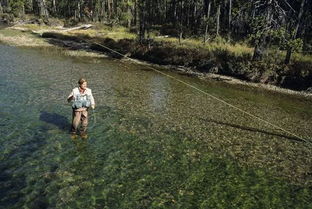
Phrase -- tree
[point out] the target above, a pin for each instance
(266, 21)
(17, 7)
(41, 9)
(218, 18)
(142, 16)
(206, 20)
(294, 42)
(255, 19)
(230, 18)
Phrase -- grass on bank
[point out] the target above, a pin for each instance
(238, 49)
(18, 38)
(118, 32)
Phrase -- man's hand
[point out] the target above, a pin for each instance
(69, 99)
(92, 106)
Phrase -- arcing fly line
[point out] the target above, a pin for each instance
(94, 119)
(211, 96)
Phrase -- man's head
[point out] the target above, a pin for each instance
(82, 83)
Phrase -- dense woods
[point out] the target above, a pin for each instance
(283, 24)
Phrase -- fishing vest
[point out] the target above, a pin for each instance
(81, 101)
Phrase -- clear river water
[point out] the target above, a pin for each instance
(152, 142)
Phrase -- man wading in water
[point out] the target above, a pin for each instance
(82, 99)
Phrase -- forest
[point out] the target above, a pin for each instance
(283, 24)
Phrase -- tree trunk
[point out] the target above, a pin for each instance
(78, 11)
(195, 20)
(180, 34)
(289, 50)
(288, 55)
(147, 17)
(69, 12)
(207, 22)
(218, 18)
(175, 15)
(129, 14)
(141, 21)
(23, 10)
(187, 14)
(230, 19)
(1, 9)
(259, 49)
(135, 13)
(261, 46)
(166, 10)
(103, 10)
(42, 8)
(253, 12)
(54, 7)
(181, 23)
(109, 9)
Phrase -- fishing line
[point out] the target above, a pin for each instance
(210, 95)
(94, 119)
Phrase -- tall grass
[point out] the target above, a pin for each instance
(237, 48)
(218, 44)
(116, 33)
(18, 38)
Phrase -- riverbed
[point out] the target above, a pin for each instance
(153, 142)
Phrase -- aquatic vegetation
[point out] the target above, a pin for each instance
(153, 142)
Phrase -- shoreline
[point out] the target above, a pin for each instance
(36, 39)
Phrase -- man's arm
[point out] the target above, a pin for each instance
(70, 97)
(92, 100)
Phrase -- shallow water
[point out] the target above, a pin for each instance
(153, 142)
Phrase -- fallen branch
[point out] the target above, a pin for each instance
(83, 27)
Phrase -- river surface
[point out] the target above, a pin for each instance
(152, 142)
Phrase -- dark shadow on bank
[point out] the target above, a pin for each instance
(69, 44)
(85, 42)
(55, 119)
(254, 130)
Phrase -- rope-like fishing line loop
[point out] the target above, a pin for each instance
(210, 95)
(93, 120)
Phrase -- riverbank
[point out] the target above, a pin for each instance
(225, 63)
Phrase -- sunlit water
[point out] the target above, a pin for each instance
(153, 142)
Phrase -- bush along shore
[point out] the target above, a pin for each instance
(190, 60)
(295, 76)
